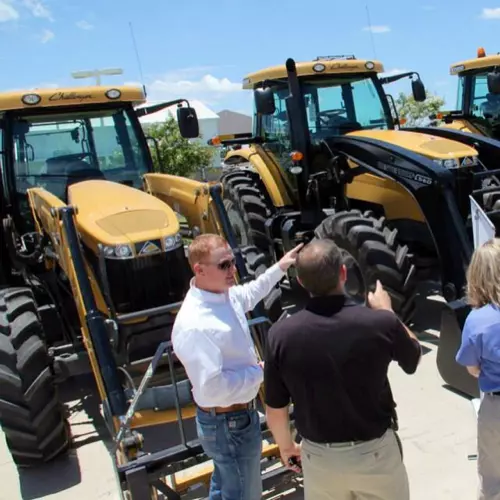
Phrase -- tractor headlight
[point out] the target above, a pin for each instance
(172, 242)
(449, 163)
(118, 252)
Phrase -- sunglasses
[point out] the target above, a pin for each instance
(226, 264)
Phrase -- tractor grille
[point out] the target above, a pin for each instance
(149, 281)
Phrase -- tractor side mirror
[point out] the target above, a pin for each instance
(264, 101)
(418, 90)
(188, 122)
(494, 83)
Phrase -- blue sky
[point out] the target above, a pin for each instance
(201, 49)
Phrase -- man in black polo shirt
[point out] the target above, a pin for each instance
(331, 360)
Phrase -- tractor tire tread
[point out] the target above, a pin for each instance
(31, 414)
(380, 257)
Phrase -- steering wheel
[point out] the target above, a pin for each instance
(326, 116)
(72, 157)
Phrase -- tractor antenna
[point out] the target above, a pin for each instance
(137, 56)
(371, 32)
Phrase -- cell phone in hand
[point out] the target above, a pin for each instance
(294, 462)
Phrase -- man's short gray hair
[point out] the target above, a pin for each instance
(318, 266)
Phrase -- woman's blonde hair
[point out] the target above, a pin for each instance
(483, 275)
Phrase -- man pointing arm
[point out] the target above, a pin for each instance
(211, 339)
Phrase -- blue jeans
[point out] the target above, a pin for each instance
(233, 441)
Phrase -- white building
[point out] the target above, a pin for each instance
(208, 122)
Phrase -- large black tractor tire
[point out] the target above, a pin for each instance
(371, 252)
(256, 264)
(248, 207)
(31, 414)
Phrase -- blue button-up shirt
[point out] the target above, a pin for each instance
(481, 346)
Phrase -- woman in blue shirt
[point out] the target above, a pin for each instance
(480, 354)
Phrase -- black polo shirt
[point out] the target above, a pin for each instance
(330, 360)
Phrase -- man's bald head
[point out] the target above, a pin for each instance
(319, 267)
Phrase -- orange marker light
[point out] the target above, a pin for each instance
(296, 155)
(216, 141)
(481, 52)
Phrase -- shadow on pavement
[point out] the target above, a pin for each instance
(63, 473)
(57, 476)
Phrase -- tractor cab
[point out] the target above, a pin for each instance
(478, 96)
(340, 95)
(56, 138)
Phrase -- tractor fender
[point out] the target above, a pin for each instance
(269, 172)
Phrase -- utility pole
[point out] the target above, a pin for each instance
(97, 73)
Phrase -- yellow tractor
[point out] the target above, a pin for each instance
(478, 97)
(327, 159)
(93, 269)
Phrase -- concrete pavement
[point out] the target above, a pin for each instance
(437, 428)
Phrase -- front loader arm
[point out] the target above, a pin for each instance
(433, 188)
(56, 220)
(188, 197)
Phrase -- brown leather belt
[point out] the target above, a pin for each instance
(227, 409)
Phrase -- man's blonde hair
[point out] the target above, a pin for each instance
(483, 275)
(202, 245)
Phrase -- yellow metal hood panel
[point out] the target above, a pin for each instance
(113, 213)
(426, 145)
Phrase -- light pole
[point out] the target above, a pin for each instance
(97, 73)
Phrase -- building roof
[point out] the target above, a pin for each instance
(231, 122)
(202, 111)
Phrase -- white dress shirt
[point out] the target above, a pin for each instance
(212, 340)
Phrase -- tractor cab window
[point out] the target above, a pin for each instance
(460, 92)
(275, 129)
(340, 105)
(483, 103)
(55, 150)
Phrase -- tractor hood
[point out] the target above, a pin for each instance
(436, 148)
(115, 214)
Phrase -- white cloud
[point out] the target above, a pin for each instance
(46, 36)
(7, 12)
(84, 25)
(491, 13)
(193, 83)
(38, 9)
(377, 29)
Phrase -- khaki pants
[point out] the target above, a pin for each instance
(488, 444)
(372, 470)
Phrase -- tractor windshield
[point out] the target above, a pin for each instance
(334, 105)
(53, 150)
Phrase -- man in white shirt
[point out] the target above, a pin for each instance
(212, 340)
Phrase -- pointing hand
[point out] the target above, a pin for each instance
(290, 257)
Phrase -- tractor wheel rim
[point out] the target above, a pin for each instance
(355, 285)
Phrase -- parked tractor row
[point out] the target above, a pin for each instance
(93, 264)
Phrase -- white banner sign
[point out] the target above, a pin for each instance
(482, 227)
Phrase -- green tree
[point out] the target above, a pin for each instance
(417, 112)
(178, 156)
